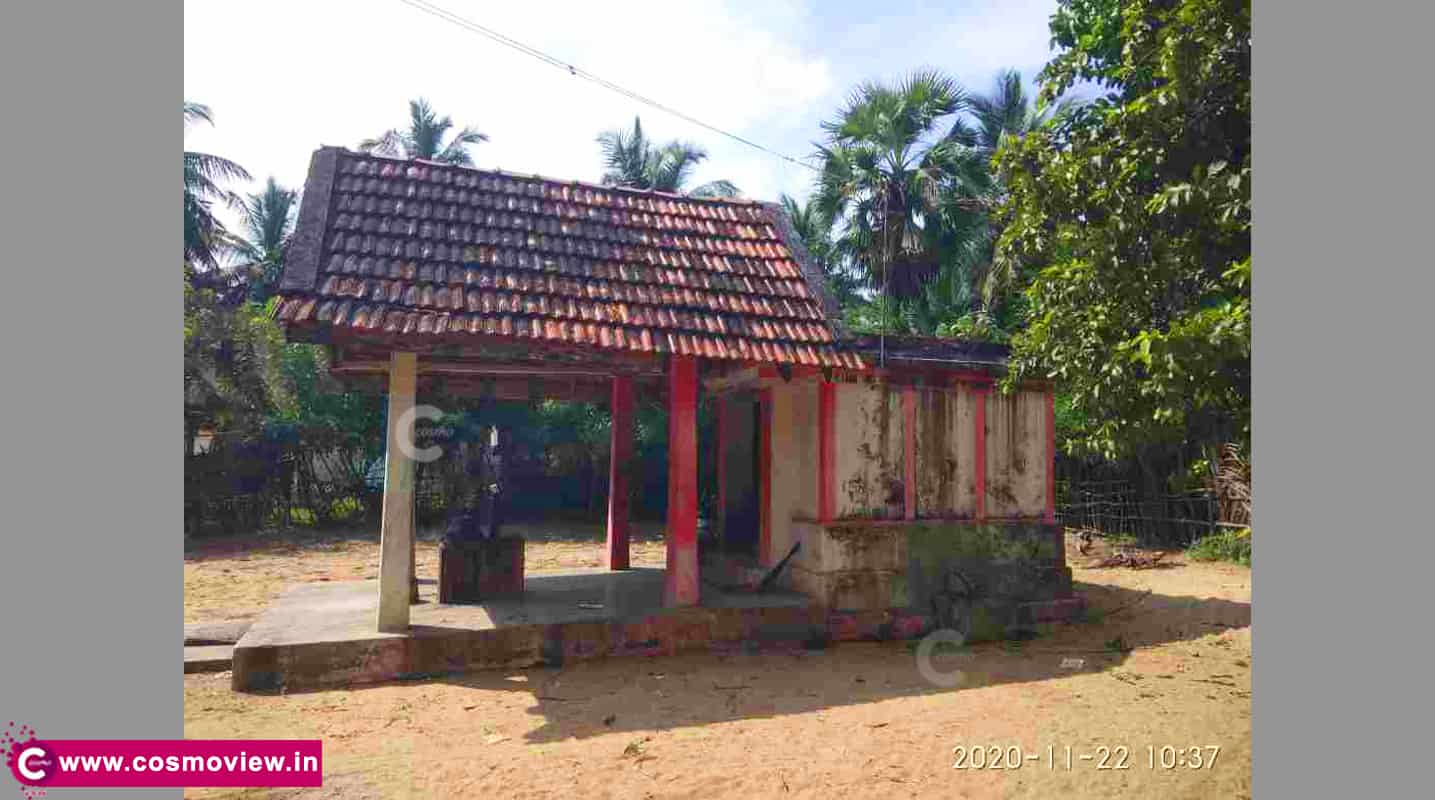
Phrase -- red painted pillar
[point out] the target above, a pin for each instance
(720, 423)
(621, 439)
(681, 586)
(979, 437)
(909, 451)
(826, 449)
(1050, 457)
(764, 477)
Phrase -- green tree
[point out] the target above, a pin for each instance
(268, 218)
(205, 237)
(906, 195)
(633, 160)
(989, 302)
(1132, 220)
(424, 138)
(815, 231)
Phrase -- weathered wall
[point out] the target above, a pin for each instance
(801, 456)
(946, 458)
(1016, 454)
(868, 448)
(979, 578)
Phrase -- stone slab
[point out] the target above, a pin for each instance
(205, 633)
(208, 658)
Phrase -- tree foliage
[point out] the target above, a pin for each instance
(424, 138)
(268, 218)
(205, 237)
(907, 194)
(633, 160)
(815, 231)
(1131, 219)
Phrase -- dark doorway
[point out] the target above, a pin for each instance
(743, 439)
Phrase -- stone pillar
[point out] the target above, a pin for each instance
(1050, 515)
(621, 441)
(681, 586)
(397, 531)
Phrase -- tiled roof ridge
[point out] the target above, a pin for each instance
(337, 285)
(683, 341)
(741, 201)
(756, 327)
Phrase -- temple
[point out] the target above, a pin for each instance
(865, 486)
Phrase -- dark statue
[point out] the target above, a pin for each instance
(476, 516)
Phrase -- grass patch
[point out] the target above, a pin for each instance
(1232, 545)
(1121, 539)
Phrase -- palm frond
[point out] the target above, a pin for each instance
(388, 143)
(718, 188)
(197, 112)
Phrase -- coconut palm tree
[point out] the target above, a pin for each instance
(268, 219)
(424, 138)
(908, 196)
(1006, 113)
(633, 160)
(815, 231)
(204, 235)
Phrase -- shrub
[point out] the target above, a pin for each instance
(1229, 545)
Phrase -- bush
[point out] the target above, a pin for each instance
(1229, 545)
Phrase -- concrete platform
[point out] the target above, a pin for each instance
(208, 658)
(324, 634)
(208, 633)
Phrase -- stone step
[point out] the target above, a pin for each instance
(203, 633)
(208, 658)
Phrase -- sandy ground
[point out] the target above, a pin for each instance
(854, 720)
(234, 578)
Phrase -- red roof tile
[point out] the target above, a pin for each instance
(416, 249)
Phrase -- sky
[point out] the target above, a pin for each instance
(284, 77)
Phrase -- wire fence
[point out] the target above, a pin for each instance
(1121, 508)
(1117, 498)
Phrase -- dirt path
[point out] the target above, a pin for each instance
(855, 720)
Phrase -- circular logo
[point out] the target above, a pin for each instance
(33, 763)
(945, 638)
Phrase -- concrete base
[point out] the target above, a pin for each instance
(322, 635)
(208, 658)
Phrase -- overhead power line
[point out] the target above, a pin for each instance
(488, 33)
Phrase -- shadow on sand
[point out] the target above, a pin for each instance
(646, 694)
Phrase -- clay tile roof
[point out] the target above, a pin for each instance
(413, 249)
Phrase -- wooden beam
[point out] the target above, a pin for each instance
(681, 586)
(360, 366)
(732, 380)
(397, 529)
(619, 464)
